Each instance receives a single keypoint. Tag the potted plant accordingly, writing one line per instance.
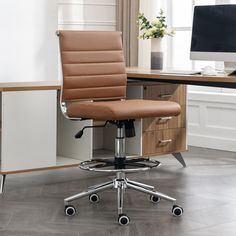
(155, 31)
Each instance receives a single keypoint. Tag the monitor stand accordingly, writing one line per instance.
(230, 68)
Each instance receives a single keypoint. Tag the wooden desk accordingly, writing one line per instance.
(140, 74)
(159, 135)
(145, 77)
(31, 119)
(35, 136)
(133, 73)
(29, 86)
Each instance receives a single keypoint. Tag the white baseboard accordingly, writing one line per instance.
(225, 144)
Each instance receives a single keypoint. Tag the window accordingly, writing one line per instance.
(179, 16)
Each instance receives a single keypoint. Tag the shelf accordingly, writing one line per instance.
(103, 153)
(64, 161)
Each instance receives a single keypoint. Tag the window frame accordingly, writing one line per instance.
(170, 44)
(169, 13)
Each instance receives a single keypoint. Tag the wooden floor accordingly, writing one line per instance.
(33, 203)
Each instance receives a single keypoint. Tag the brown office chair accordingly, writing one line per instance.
(94, 87)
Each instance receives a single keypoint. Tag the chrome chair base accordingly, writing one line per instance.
(120, 165)
(120, 183)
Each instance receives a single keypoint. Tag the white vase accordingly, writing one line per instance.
(156, 54)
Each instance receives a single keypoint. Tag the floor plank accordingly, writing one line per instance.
(32, 204)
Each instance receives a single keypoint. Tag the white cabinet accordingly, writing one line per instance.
(36, 136)
(28, 137)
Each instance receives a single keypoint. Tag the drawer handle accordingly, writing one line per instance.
(166, 141)
(165, 95)
(164, 119)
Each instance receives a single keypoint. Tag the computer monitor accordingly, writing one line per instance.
(214, 34)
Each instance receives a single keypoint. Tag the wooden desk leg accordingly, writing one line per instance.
(2, 183)
(179, 158)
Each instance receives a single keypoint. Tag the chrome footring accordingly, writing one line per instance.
(130, 165)
(120, 163)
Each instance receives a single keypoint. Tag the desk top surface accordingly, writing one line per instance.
(133, 73)
(29, 85)
(139, 73)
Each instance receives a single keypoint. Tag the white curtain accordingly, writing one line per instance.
(127, 12)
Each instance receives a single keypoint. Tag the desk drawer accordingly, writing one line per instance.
(151, 124)
(166, 92)
(164, 141)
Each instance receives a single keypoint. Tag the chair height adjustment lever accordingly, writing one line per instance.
(81, 132)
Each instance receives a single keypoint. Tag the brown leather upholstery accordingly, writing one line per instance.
(93, 65)
(122, 110)
(93, 69)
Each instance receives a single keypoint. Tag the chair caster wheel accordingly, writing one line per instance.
(94, 198)
(70, 210)
(155, 199)
(123, 219)
(177, 210)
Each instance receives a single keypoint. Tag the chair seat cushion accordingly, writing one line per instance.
(122, 110)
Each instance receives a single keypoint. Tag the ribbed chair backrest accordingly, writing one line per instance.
(93, 65)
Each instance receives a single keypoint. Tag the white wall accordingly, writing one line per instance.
(87, 14)
(28, 44)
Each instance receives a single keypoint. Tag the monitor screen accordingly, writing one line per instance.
(214, 29)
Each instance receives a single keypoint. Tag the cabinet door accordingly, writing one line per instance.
(166, 92)
(170, 122)
(164, 141)
(28, 130)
